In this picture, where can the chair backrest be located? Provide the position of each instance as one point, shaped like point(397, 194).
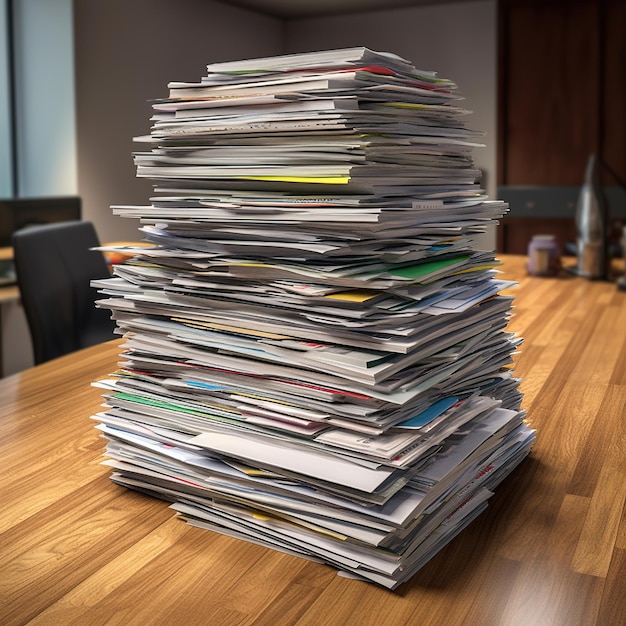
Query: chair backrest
point(54, 266)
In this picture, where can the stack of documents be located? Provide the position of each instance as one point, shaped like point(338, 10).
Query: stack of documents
point(315, 355)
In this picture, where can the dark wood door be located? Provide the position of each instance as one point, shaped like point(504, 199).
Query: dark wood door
point(549, 90)
point(562, 97)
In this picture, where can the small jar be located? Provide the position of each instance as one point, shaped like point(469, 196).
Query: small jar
point(544, 257)
point(621, 280)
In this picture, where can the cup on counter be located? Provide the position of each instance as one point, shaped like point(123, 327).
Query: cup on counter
point(544, 256)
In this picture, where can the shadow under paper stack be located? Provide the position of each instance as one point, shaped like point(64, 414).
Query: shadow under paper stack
point(315, 357)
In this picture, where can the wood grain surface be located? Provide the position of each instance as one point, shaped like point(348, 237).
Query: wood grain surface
point(549, 550)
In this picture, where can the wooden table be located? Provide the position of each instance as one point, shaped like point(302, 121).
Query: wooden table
point(550, 549)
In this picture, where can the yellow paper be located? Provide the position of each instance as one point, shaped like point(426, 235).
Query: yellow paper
point(352, 296)
point(325, 180)
point(232, 329)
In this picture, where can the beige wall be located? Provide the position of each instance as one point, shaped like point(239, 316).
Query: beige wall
point(126, 52)
point(457, 40)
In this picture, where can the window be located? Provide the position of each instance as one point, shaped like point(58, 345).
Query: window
point(37, 112)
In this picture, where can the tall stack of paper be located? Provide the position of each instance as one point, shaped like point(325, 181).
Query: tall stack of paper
point(315, 358)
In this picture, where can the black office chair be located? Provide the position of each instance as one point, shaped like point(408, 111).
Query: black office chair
point(54, 266)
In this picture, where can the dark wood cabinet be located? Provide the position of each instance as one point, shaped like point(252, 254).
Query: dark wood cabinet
point(613, 118)
point(562, 97)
